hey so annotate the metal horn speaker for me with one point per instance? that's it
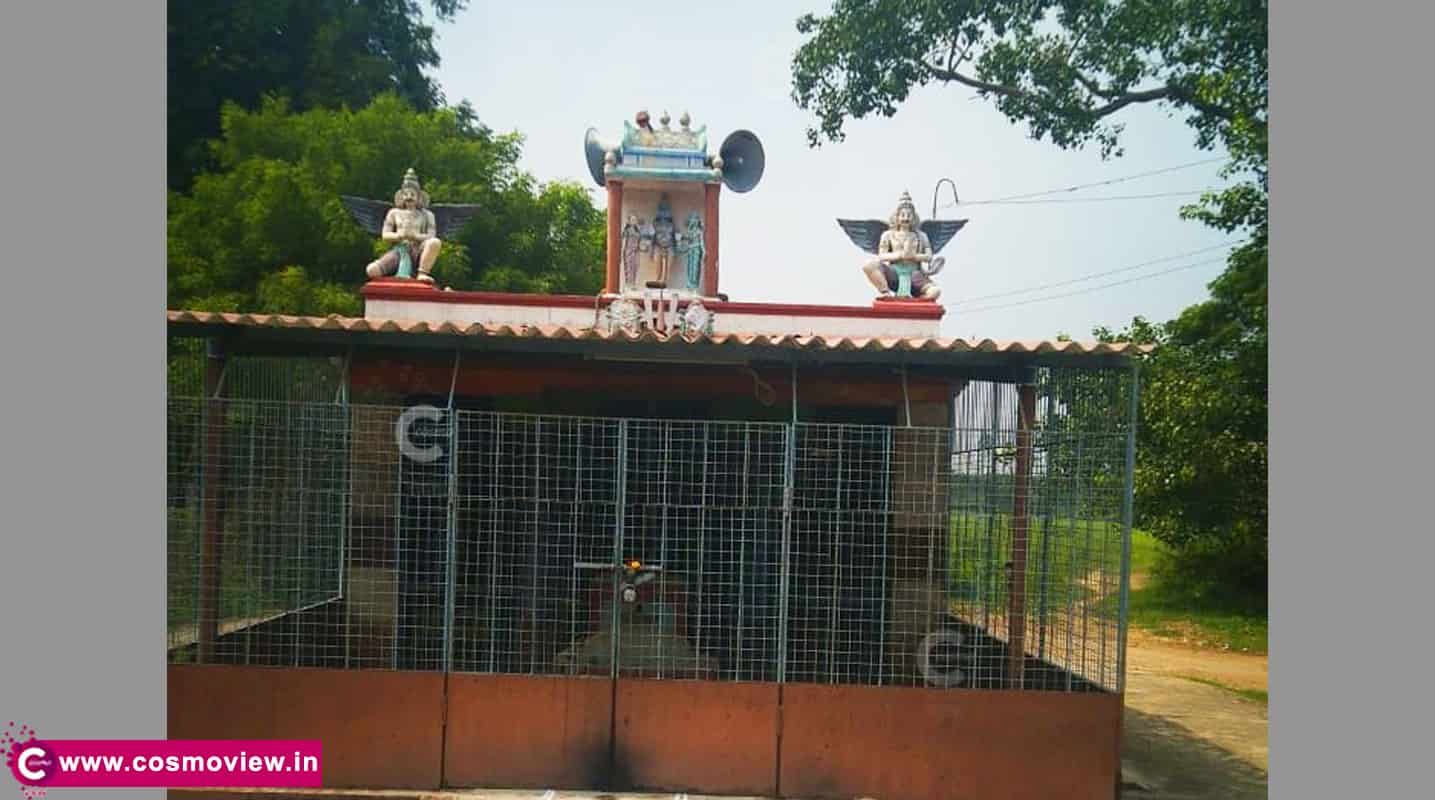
(594, 149)
(742, 161)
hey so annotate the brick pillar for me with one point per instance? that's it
(710, 239)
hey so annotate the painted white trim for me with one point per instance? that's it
(776, 324)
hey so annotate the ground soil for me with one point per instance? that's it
(1184, 740)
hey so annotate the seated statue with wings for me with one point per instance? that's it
(906, 250)
(415, 228)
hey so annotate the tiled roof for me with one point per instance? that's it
(334, 323)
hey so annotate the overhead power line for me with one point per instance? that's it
(1094, 288)
(1080, 186)
(1103, 199)
(1094, 275)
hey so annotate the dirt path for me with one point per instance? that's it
(1185, 740)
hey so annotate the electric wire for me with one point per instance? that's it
(1080, 186)
(1093, 288)
(1094, 275)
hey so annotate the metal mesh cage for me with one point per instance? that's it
(989, 554)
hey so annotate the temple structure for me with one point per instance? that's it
(654, 538)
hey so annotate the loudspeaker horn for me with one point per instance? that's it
(742, 161)
(594, 149)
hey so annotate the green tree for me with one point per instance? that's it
(267, 232)
(318, 53)
(1202, 456)
(1067, 68)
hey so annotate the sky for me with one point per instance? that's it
(550, 70)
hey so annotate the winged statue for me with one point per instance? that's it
(906, 250)
(415, 228)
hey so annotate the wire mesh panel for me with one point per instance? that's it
(183, 512)
(536, 509)
(867, 564)
(984, 555)
(256, 532)
(1068, 476)
(559, 515)
(706, 507)
(397, 551)
(837, 557)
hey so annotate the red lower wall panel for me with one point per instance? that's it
(923, 744)
(407, 730)
(379, 728)
(528, 731)
(706, 737)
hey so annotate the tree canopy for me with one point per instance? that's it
(318, 53)
(1067, 68)
(266, 231)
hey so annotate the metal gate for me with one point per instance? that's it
(622, 576)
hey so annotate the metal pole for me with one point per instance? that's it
(887, 518)
(702, 545)
(575, 577)
(1127, 512)
(1071, 570)
(256, 551)
(937, 188)
(832, 629)
(345, 514)
(663, 605)
(1041, 602)
(398, 560)
(494, 494)
(613, 601)
(212, 536)
(303, 454)
(788, 478)
(988, 500)
(832, 603)
(906, 397)
(451, 534)
(541, 506)
(1016, 619)
(742, 547)
(794, 393)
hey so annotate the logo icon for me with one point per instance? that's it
(930, 659)
(410, 450)
(31, 761)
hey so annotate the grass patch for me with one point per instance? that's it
(1172, 606)
(1146, 550)
(259, 576)
(1256, 695)
(1066, 561)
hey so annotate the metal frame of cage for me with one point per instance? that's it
(889, 580)
(804, 542)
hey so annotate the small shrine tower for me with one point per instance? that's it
(663, 191)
